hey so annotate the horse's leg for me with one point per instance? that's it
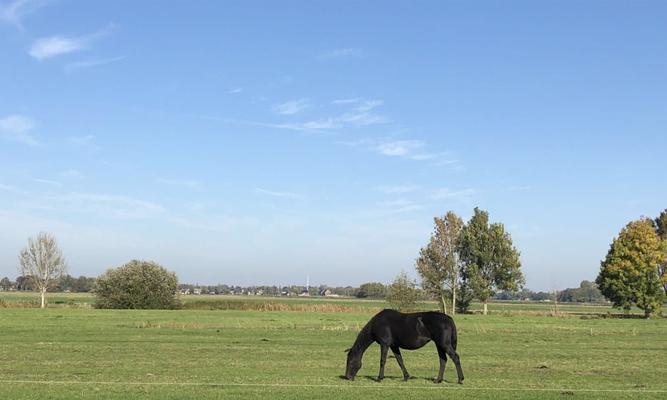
(455, 357)
(399, 358)
(442, 354)
(384, 349)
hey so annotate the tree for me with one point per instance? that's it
(661, 228)
(439, 263)
(5, 283)
(373, 290)
(629, 273)
(137, 285)
(42, 261)
(402, 294)
(490, 260)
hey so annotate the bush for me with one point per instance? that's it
(403, 293)
(137, 285)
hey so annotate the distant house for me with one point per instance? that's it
(185, 291)
(196, 291)
(328, 293)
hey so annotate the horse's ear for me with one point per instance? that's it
(348, 350)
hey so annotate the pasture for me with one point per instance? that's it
(71, 351)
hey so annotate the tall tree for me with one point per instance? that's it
(629, 274)
(439, 262)
(661, 228)
(43, 263)
(490, 260)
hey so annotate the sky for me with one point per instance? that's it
(260, 142)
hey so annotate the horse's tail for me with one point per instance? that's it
(454, 336)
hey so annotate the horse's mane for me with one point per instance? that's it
(363, 338)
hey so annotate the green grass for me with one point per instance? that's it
(72, 353)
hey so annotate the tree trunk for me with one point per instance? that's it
(454, 300)
(43, 298)
(647, 313)
(443, 304)
(485, 307)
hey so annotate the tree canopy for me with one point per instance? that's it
(439, 263)
(137, 285)
(490, 260)
(630, 273)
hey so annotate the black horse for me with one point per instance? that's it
(395, 330)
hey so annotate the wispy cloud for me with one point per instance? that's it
(415, 150)
(235, 90)
(107, 205)
(53, 46)
(291, 107)
(400, 148)
(192, 184)
(8, 188)
(449, 194)
(48, 182)
(286, 195)
(397, 189)
(86, 142)
(360, 113)
(12, 12)
(17, 128)
(347, 52)
(71, 173)
(92, 63)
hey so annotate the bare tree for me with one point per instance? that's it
(42, 262)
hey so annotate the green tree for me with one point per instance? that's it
(374, 290)
(439, 263)
(661, 228)
(630, 272)
(490, 260)
(402, 294)
(5, 283)
(137, 285)
(43, 263)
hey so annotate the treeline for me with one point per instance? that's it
(587, 292)
(66, 283)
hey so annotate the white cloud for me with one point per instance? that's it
(71, 173)
(359, 115)
(12, 12)
(348, 52)
(291, 107)
(85, 142)
(17, 128)
(48, 182)
(92, 63)
(397, 189)
(400, 148)
(415, 150)
(235, 90)
(106, 205)
(287, 195)
(448, 194)
(53, 46)
(180, 182)
(7, 188)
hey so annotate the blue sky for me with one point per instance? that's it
(253, 142)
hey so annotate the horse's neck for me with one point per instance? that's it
(364, 339)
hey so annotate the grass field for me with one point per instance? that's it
(79, 352)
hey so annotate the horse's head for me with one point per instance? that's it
(353, 364)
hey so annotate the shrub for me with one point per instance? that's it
(403, 293)
(137, 285)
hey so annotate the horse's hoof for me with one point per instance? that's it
(405, 378)
(437, 380)
(460, 382)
